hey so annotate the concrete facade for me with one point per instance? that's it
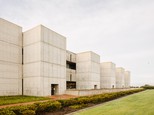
(120, 74)
(37, 63)
(127, 79)
(44, 62)
(88, 70)
(70, 70)
(108, 70)
(10, 58)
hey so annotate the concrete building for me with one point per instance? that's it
(10, 58)
(37, 63)
(88, 70)
(108, 71)
(127, 79)
(44, 69)
(120, 83)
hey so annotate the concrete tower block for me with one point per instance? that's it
(88, 70)
(108, 70)
(10, 58)
(127, 79)
(120, 77)
(44, 62)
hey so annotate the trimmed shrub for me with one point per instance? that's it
(78, 106)
(97, 98)
(6, 112)
(47, 106)
(23, 110)
(68, 102)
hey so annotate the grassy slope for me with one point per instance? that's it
(138, 104)
(5, 100)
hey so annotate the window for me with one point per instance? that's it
(71, 65)
(70, 57)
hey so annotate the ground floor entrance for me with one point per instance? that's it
(54, 89)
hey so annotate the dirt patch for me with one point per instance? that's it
(65, 96)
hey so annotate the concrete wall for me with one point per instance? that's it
(10, 58)
(107, 75)
(127, 79)
(44, 61)
(88, 70)
(70, 73)
(93, 92)
(120, 77)
(70, 56)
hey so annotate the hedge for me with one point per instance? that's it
(147, 87)
(95, 99)
(74, 103)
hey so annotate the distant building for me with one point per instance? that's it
(120, 77)
(108, 75)
(37, 63)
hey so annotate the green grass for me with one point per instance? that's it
(137, 104)
(6, 100)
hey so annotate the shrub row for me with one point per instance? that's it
(95, 99)
(33, 109)
(74, 103)
(147, 87)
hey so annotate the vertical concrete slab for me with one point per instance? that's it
(10, 58)
(108, 75)
(127, 79)
(88, 70)
(120, 77)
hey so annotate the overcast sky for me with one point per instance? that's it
(121, 31)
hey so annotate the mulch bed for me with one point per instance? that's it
(66, 110)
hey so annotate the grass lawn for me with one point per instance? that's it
(137, 104)
(5, 100)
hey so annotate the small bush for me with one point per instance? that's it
(47, 106)
(28, 112)
(6, 111)
(68, 102)
(78, 106)
(23, 110)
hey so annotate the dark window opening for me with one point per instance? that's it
(22, 56)
(70, 77)
(71, 65)
(22, 87)
(70, 85)
(70, 57)
(95, 86)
